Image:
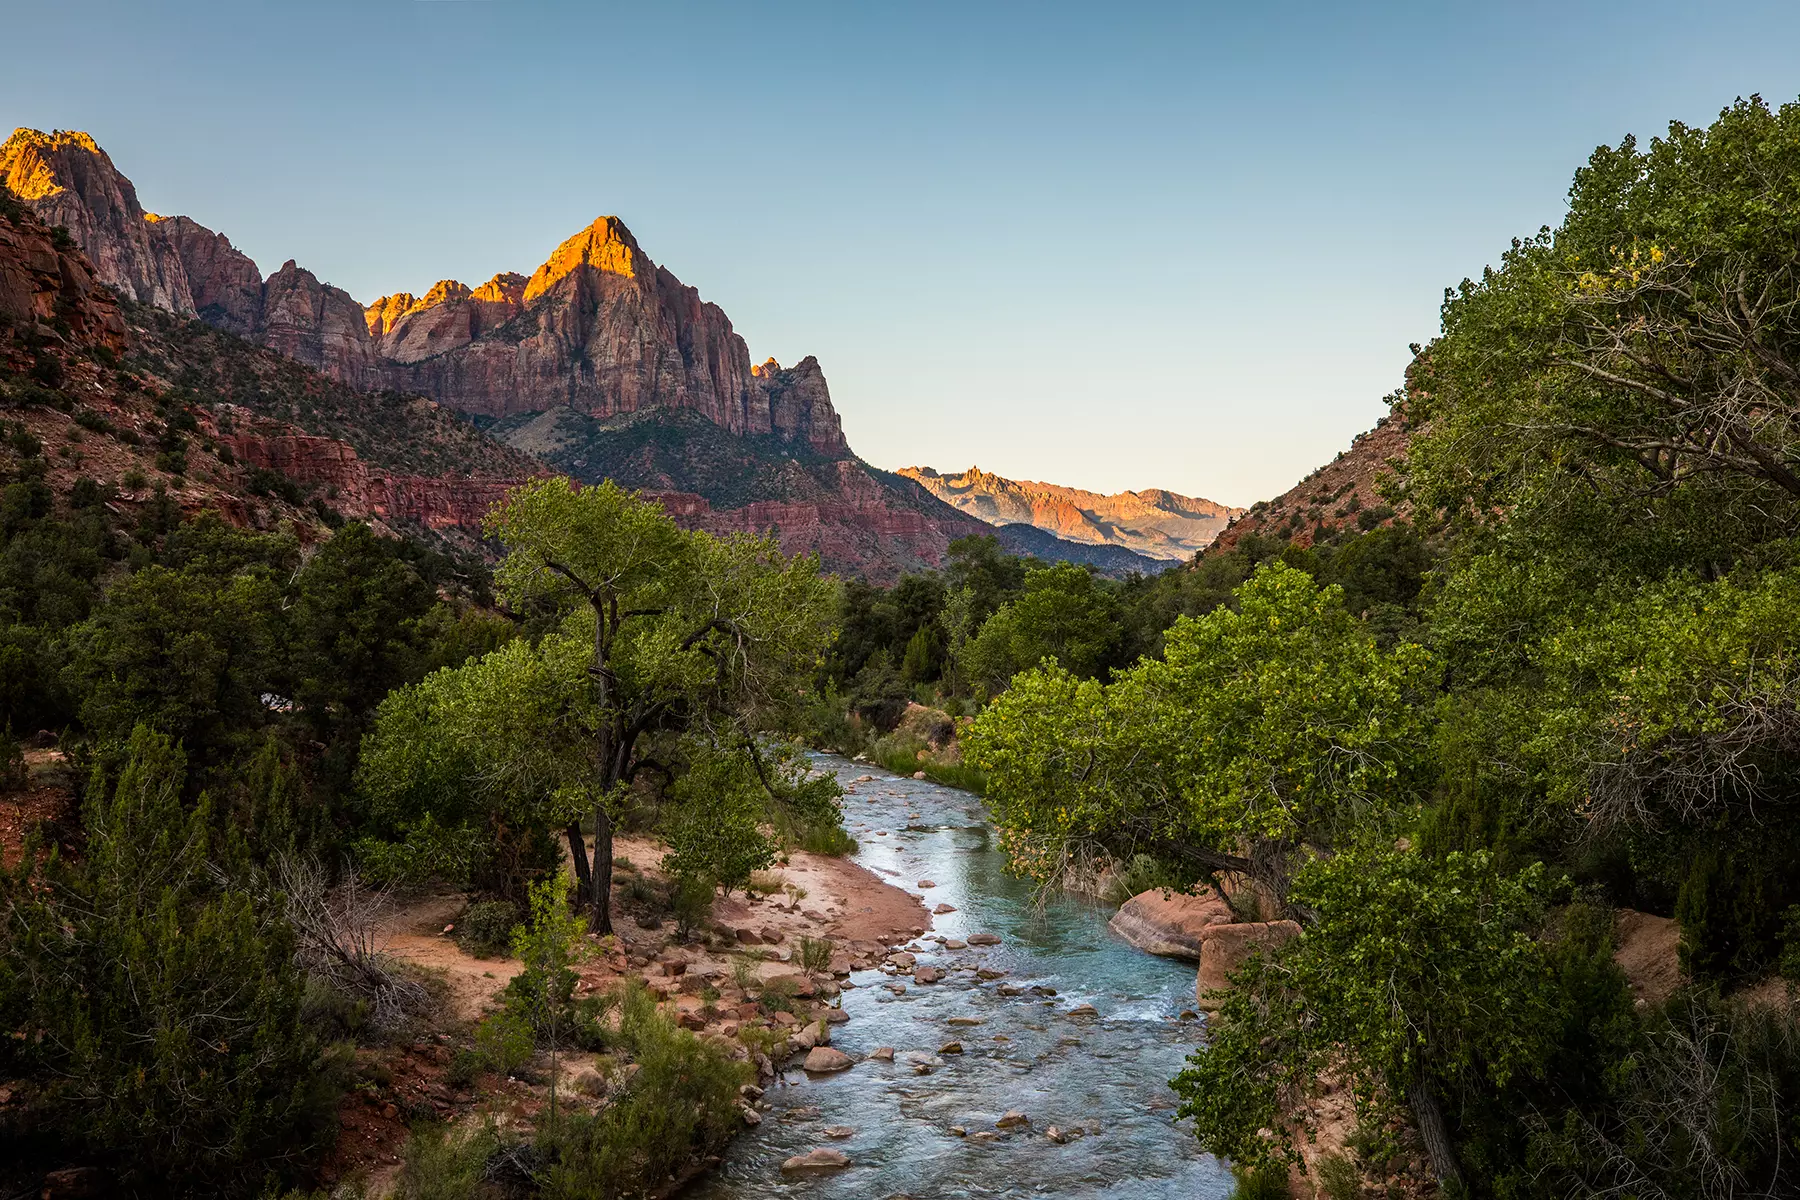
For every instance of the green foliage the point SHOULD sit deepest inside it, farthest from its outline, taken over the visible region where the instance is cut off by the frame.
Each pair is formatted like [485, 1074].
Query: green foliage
[1339, 1178]
[1281, 723]
[1064, 613]
[485, 928]
[505, 1041]
[814, 955]
[715, 836]
[680, 1104]
[449, 1164]
[1414, 974]
[1260, 1183]
[155, 1000]
[547, 945]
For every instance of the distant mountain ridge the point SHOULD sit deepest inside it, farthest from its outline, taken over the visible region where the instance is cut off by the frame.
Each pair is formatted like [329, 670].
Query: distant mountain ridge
[1154, 523]
[600, 362]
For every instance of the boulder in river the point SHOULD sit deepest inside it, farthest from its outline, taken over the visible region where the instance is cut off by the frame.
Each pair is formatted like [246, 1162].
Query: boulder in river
[1170, 923]
[823, 1059]
[926, 974]
[1012, 1120]
[882, 1054]
[822, 1159]
[1227, 949]
[984, 939]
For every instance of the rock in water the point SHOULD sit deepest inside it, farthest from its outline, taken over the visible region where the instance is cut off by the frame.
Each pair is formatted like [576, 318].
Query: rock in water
[1169, 923]
[823, 1059]
[822, 1159]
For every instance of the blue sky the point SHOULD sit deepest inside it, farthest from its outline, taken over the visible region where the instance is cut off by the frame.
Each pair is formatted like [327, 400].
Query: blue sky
[1110, 245]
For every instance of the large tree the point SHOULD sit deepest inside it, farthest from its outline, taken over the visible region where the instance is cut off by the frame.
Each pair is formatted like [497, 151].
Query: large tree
[671, 646]
[1263, 730]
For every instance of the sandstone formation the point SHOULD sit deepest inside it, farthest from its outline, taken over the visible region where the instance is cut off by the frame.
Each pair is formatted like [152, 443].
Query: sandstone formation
[333, 467]
[224, 284]
[1228, 947]
[600, 362]
[1157, 523]
[39, 282]
[45, 281]
[69, 181]
[1171, 924]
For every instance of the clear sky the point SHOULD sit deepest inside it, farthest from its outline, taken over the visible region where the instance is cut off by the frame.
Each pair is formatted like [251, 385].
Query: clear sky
[1112, 245]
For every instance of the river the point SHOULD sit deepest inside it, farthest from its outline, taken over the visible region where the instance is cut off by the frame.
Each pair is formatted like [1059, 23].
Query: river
[1104, 1075]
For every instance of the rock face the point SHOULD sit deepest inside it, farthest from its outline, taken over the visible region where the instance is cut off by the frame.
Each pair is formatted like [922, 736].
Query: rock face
[1228, 947]
[1171, 924]
[410, 482]
[321, 326]
[600, 363]
[224, 284]
[331, 466]
[69, 181]
[1157, 523]
[40, 282]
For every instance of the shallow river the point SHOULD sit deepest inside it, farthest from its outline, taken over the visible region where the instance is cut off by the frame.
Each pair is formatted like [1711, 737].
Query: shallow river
[1106, 1075]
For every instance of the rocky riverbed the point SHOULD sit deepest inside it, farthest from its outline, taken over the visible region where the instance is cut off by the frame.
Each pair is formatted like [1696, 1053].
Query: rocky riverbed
[1013, 1049]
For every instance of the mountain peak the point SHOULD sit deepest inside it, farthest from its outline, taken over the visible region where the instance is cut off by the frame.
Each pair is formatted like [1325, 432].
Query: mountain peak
[1154, 522]
[606, 246]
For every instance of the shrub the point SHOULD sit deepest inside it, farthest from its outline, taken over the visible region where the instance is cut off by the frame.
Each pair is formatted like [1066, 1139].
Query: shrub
[693, 903]
[681, 1104]
[1260, 1183]
[485, 929]
[447, 1164]
[167, 1000]
[13, 773]
[504, 1042]
[1339, 1178]
[815, 955]
[133, 479]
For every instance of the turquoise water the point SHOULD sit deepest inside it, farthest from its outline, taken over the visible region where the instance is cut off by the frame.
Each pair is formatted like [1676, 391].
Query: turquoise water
[1105, 1074]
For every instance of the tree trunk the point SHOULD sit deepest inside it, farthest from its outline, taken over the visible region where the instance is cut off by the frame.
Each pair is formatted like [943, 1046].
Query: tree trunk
[1436, 1135]
[578, 852]
[600, 919]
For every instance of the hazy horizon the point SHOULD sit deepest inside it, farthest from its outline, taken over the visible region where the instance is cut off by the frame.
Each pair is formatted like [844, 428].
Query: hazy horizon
[1184, 248]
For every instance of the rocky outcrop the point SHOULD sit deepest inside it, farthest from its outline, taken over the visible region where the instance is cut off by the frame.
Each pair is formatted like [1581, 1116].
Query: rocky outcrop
[224, 284]
[860, 529]
[69, 181]
[1228, 947]
[799, 405]
[409, 330]
[321, 326]
[1171, 924]
[40, 282]
[333, 468]
[1155, 522]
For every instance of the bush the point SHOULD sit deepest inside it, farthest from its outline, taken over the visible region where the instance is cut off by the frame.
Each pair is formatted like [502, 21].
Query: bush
[681, 1104]
[1339, 1178]
[485, 929]
[447, 1164]
[168, 1005]
[815, 955]
[13, 773]
[504, 1042]
[1260, 1183]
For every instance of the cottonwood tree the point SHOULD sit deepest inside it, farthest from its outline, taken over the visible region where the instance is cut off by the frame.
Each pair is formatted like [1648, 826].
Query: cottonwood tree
[1262, 731]
[672, 645]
